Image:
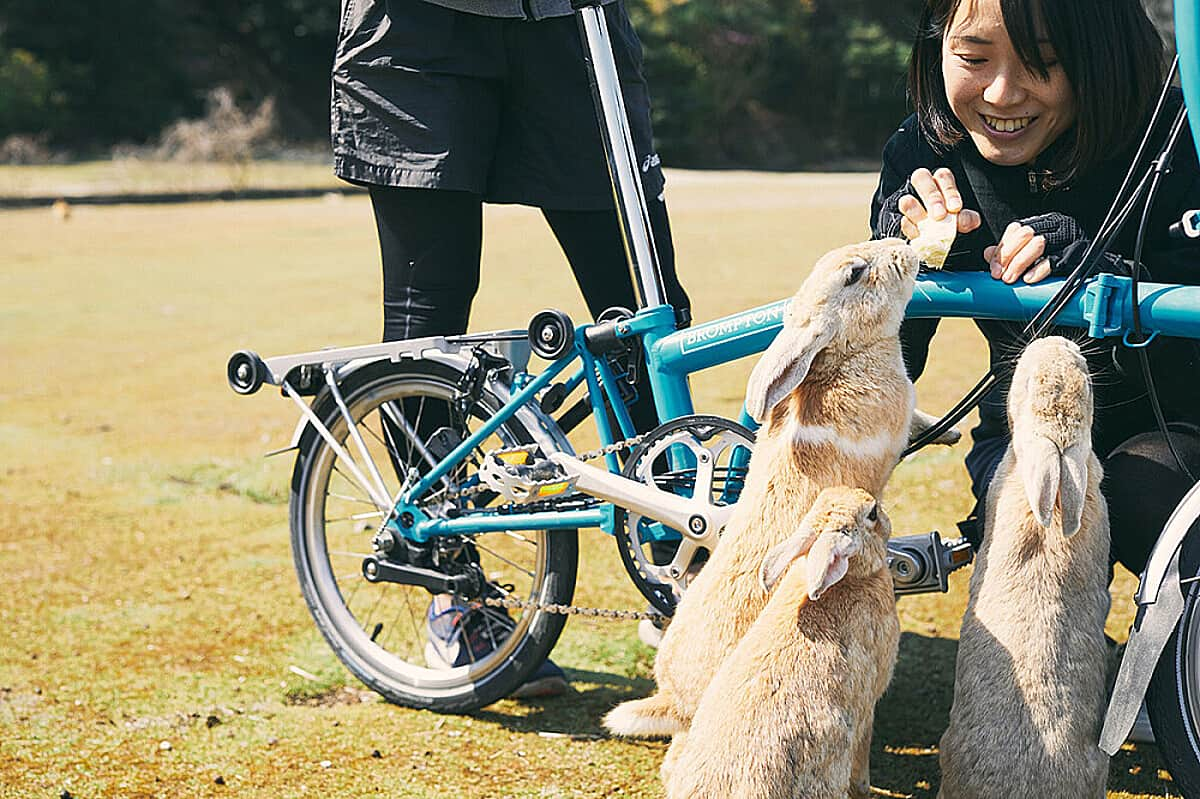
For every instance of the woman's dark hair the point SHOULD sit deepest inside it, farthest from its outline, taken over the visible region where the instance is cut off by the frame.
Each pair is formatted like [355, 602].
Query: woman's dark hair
[1109, 49]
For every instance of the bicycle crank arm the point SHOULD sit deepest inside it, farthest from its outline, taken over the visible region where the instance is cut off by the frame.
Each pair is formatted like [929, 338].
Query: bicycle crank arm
[921, 564]
[696, 519]
[379, 570]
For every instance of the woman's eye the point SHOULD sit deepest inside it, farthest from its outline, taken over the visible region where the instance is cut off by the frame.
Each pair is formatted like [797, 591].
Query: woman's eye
[856, 273]
[973, 61]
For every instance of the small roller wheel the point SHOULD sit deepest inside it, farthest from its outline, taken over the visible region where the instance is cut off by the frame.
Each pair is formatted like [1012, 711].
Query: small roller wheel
[551, 334]
[245, 372]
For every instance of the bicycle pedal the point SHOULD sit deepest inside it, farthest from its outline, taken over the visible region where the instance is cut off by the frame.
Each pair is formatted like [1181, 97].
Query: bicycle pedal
[520, 476]
[922, 563]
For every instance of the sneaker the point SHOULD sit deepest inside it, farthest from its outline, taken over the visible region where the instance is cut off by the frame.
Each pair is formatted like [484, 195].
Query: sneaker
[650, 631]
[459, 636]
[1142, 732]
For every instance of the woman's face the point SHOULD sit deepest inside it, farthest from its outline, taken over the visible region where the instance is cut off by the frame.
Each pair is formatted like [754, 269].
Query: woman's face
[1010, 113]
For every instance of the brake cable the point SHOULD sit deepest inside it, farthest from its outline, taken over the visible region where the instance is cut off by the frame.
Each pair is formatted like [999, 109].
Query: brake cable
[1091, 257]
[1161, 167]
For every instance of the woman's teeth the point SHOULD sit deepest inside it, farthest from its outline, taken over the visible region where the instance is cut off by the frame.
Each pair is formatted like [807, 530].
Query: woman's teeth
[1007, 125]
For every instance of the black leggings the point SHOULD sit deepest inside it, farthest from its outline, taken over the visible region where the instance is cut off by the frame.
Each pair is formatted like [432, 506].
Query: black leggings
[1142, 484]
[431, 241]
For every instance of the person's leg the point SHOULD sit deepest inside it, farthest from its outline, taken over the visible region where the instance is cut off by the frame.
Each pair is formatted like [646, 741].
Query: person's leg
[1143, 483]
[430, 242]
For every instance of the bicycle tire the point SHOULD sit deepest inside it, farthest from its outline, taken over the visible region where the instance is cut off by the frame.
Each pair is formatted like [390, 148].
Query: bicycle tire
[331, 582]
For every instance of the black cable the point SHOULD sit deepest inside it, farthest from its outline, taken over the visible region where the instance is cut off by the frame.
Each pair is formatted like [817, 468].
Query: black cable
[1161, 167]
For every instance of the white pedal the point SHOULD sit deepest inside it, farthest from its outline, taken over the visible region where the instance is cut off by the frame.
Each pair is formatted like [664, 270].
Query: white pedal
[519, 476]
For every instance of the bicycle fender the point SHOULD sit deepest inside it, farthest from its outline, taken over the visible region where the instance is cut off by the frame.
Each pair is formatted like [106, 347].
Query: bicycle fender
[1160, 604]
[1153, 625]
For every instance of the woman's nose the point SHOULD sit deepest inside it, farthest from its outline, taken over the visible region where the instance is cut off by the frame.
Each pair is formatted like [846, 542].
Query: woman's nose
[1004, 89]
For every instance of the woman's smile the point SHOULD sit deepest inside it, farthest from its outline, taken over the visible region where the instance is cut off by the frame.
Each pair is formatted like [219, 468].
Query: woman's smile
[1007, 126]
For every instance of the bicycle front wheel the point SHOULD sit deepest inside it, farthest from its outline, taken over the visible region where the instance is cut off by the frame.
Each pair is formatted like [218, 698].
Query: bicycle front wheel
[388, 634]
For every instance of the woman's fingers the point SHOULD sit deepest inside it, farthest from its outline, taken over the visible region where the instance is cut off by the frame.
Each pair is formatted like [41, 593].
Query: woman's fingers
[968, 220]
[1040, 271]
[944, 179]
[1023, 256]
[1015, 237]
[929, 192]
[911, 207]
[909, 229]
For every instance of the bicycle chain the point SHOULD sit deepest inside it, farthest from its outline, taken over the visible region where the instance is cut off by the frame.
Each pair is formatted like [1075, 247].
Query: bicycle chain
[512, 603]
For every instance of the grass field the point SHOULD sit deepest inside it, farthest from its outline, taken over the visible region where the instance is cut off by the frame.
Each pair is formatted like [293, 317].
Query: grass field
[149, 616]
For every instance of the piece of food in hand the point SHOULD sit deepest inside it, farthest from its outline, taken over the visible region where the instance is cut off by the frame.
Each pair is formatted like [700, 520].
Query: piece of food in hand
[934, 237]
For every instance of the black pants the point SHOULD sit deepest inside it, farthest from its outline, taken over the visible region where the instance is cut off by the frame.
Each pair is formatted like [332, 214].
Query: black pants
[1142, 484]
[430, 241]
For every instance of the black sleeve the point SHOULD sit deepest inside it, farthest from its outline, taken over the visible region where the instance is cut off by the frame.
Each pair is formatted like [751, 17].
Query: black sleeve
[899, 161]
[901, 156]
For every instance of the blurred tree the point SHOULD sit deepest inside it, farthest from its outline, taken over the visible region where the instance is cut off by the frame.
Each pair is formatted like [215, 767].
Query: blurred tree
[27, 95]
[123, 70]
[112, 66]
[775, 83]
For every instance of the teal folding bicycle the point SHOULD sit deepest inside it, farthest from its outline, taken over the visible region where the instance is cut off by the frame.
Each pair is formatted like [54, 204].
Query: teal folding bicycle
[440, 467]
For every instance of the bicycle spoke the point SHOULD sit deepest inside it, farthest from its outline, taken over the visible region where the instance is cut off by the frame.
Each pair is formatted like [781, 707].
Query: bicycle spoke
[498, 556]
[346, 498]
[518, 537]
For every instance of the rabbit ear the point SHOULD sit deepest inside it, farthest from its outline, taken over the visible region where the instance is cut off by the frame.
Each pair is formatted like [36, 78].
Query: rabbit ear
[1073, 485]
[828, 561]
[784, 366]
[782, 555]
[1038, 463]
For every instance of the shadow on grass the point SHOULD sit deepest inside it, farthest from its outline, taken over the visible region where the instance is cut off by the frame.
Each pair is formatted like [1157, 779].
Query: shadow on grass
[577, 713]
[913, 714]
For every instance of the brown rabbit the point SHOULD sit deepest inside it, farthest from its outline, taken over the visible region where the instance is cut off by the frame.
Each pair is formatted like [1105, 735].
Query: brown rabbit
[837, 409]
[789, 713]
[1029, 684]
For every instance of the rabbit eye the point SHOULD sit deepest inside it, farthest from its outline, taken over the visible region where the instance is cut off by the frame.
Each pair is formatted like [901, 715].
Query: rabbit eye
[856, 273]
[873, 516]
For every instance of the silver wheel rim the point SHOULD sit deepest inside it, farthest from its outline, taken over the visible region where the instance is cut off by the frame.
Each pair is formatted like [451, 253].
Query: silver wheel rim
[381, 626]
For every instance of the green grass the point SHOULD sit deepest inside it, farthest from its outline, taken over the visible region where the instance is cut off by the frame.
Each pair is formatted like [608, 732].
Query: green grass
[146, 585]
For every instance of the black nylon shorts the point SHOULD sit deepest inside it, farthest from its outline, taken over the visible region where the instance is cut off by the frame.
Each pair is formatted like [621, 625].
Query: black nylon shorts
[427, 97]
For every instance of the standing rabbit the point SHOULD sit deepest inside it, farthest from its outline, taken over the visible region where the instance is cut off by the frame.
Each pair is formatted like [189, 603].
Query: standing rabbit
[789, 713]
[837, 409]
[1029, 685]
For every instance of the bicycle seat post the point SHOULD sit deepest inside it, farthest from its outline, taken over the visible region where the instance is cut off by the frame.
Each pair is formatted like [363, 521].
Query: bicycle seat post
[622, 158]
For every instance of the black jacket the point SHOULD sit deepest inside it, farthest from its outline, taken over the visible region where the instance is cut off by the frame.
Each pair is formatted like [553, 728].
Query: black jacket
[1122, 406]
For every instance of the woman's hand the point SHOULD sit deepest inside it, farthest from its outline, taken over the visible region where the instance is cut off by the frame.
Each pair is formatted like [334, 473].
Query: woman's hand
[1020, 254]
[937, 195]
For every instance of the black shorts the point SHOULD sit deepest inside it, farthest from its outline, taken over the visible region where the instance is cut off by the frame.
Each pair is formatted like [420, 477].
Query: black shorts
[497, 107]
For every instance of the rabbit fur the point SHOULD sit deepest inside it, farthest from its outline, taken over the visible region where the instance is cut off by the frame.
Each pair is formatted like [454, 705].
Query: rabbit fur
[837, 409]
[1029, 684]
[789, 713]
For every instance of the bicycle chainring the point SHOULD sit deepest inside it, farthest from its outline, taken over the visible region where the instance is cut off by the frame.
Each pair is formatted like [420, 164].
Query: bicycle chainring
[695, 456]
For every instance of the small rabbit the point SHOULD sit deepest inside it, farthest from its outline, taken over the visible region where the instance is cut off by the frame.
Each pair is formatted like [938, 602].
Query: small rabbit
[1029, 684]
[837, 409]
[790, 711]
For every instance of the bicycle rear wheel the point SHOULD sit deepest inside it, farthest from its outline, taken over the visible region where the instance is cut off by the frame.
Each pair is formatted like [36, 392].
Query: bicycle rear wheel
[380, 631]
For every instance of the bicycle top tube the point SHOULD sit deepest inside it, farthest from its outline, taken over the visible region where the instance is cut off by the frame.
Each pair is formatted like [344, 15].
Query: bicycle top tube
[1102, 306]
